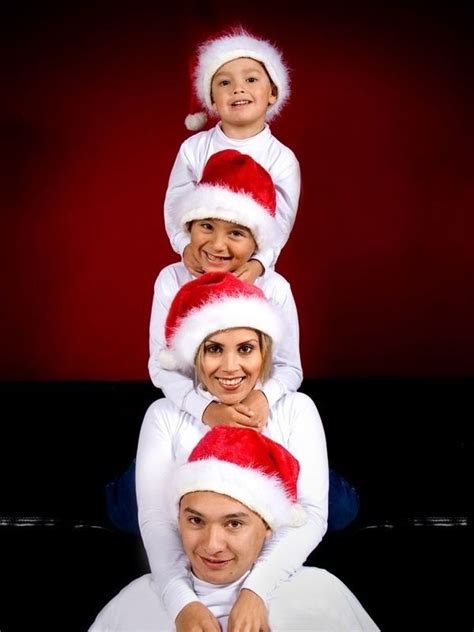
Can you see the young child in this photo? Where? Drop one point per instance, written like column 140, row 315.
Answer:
column 244, row 81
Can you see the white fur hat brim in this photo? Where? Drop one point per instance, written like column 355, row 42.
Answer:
column 228, row 313
column 217, row 202
column 218, row 52
column 258, row 491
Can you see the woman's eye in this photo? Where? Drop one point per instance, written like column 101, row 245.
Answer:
column 213, row 349
column 195, row 521
column 246, row 348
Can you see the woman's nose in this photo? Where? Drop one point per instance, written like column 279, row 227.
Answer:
column 229, row 361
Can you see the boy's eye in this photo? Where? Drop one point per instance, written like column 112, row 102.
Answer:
column 224, row 82
column 252, row 79
column 205, row 226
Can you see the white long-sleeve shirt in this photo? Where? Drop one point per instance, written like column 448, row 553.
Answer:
column 287, row 373
column 276, row 158
column 168, row 435
column 312, row 600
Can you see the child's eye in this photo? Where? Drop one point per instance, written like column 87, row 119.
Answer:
column 224, row 82
column 237, row 233
column 252, row 79
column 205, row 226
column 234, row 524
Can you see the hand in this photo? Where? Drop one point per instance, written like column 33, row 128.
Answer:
column 257, row 402
column 248, row 614
column 191, row 262
column 250, row 271
column 195, row 617
column 217, row 414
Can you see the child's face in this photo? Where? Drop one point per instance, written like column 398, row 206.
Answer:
column 241, row 92
column 221, row 245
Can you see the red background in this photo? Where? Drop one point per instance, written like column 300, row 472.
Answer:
column 381, row 118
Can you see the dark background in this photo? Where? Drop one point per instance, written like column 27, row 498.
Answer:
column 381, row 119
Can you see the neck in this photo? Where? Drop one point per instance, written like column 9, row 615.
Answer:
column 242, row 131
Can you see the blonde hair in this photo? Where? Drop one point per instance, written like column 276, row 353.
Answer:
column 266, row 349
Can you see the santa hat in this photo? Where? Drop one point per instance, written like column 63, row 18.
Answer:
column 247, row 466
column 217, row 51
column 235, row 188
column 213, row 302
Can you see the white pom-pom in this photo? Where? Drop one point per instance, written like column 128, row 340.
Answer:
column 299, row 516
column 167, row 360
column 195, row 122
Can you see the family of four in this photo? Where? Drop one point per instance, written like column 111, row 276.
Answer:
column 232, row 478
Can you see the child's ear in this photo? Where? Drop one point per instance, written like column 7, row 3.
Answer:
column 274, row 96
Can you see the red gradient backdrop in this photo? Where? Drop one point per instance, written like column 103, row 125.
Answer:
column 381, row 256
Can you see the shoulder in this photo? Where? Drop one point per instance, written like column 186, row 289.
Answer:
column 294, row 401
column 275, row 287
column 283, row 151
column 196, row 140
column 171, row 277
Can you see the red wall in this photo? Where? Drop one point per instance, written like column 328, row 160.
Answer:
column 381, row 118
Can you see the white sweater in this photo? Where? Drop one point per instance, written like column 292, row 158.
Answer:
column 312, row 600
column 276, row 158
column 168, row 435
column 287, row 373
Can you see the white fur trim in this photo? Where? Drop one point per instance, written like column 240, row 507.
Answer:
column 224, row 49
column 230, row 312
column 218, row 202
column 196, row 121
column 263, row 494
column 167, row 360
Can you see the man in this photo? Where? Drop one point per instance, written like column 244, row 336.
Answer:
column 236, row 489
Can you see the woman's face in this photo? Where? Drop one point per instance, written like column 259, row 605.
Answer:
column 231, row 363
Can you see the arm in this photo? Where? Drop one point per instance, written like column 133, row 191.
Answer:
column 287, row 179
column 183, row 178
column 155, row 458
column 287, row 373
column 286, row 551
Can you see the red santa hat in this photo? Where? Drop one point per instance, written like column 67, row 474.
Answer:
column 235, row 188
column 247, row 466
column 213, row 302
column 222, row 48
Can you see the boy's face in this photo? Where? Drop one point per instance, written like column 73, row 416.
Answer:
column 221, row 537
column 241, row 92
column 221, row 245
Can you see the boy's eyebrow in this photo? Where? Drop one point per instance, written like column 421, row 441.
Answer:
column 249, row 68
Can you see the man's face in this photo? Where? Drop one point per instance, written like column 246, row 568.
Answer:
column 221, row 537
